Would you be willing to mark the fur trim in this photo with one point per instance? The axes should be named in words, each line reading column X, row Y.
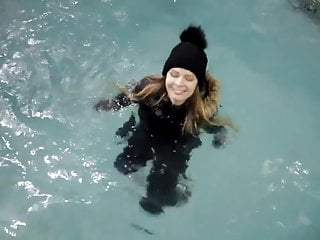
column 211, row 105
column 211, row 102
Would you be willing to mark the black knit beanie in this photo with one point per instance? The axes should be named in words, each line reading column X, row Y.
column 189, row 54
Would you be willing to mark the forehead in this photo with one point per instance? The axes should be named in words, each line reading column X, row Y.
column 183, row 71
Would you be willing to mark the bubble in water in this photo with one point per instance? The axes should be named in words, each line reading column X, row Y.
column 33, row 41
column 16, row 55
column 62, row 174
column 97, row 177
column 17, row 223
column 271, row 166
column 121, row 16
column 303, row 219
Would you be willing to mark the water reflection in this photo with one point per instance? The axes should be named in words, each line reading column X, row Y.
column 11, row 230
column 293, row 173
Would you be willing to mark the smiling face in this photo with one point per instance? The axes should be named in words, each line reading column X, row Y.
column 180, row 85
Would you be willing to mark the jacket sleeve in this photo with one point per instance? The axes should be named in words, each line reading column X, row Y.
column 121, row 100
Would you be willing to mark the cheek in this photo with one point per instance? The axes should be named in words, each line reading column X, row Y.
column 192, row 86
column 168, row 82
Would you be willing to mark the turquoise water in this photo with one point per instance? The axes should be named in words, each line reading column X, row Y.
column 57, row 179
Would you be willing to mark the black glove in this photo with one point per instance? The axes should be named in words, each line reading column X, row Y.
column 128, row 126
column 104, row 104
column 220, row 137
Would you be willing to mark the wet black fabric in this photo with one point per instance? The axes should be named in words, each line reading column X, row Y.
column 158, row 137
column 156, row 134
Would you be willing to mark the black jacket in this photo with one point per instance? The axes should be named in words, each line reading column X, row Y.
column 158, row 136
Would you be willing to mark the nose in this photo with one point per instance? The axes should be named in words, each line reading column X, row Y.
column 179, row 81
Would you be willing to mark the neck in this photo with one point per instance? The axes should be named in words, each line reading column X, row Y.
column 176, row 103
column 172, row 104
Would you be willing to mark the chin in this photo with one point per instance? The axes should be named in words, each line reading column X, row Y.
column 176, row 101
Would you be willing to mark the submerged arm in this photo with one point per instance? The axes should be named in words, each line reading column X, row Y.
column 121, row 100
column 116, row 103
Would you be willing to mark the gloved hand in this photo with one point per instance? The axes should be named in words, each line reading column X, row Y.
column 150, row 205
column 220, row 137
column 104, row 104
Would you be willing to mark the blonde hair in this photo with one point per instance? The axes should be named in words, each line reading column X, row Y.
column 199, row 110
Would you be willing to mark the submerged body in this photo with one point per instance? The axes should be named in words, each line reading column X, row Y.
column 158, row 135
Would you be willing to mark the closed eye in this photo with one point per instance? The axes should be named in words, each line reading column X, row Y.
column 190, row 79
column 174, row 74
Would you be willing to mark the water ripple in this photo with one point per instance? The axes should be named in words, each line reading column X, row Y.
column 63, row 174
column 14, row 226
column 13, row 160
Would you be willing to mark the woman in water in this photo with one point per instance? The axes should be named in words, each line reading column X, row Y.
column 172, row 110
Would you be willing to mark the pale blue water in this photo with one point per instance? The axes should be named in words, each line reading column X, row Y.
column 57, row 179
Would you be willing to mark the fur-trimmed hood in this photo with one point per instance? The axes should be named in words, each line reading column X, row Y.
column 211, row 98
column 211, row 104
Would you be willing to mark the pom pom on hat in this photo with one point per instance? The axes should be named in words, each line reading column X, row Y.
column 194, row 35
